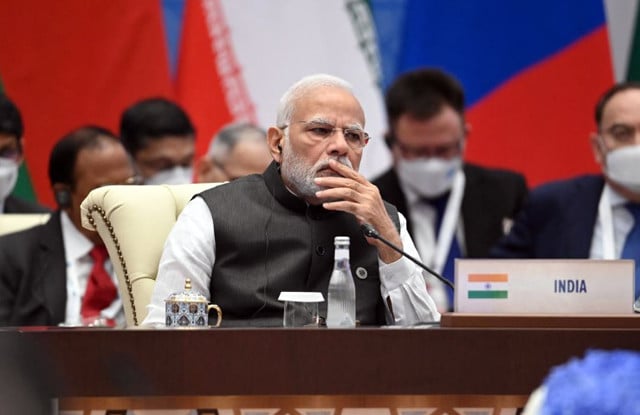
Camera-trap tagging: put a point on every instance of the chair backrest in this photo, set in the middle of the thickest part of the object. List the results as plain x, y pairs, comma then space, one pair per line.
133, 222
14, 222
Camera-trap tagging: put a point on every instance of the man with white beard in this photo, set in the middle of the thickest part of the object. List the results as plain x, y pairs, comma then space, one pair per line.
244, 242
591, 216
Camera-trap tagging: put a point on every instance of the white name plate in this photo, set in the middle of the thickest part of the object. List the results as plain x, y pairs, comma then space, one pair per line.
524, 286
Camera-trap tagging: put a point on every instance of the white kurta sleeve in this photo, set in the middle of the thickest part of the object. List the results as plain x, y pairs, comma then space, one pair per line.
189, 252
403, 284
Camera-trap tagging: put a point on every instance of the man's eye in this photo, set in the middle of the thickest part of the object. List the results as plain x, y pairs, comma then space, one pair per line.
9, 153
321, 131
622, 133
351, 135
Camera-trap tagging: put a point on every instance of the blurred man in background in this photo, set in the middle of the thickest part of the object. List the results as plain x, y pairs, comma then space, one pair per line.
160, 138
591, 216
60, 272
11, 156
237, 150
454, 209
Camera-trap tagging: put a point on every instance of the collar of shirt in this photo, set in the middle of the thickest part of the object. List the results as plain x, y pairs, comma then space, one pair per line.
616, 199
410, 194
76, 245
621, 224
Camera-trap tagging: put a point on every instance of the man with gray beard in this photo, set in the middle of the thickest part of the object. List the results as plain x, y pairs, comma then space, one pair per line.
244, 242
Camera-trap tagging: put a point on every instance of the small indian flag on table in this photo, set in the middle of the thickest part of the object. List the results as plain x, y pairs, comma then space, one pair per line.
487, 286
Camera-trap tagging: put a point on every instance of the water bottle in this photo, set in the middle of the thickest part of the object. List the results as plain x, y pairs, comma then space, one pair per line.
341, 308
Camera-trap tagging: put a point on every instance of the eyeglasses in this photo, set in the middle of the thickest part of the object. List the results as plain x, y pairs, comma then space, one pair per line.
356, 138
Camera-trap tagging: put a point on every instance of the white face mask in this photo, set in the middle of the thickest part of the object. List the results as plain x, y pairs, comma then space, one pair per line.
8, 176
175, 175
623, 167
429, 177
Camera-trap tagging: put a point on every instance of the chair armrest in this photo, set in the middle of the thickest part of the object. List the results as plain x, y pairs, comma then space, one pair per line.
133, 222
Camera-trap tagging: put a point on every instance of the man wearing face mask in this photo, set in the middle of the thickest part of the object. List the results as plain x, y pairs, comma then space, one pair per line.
591, 216
11, 132
454, 209
160, 138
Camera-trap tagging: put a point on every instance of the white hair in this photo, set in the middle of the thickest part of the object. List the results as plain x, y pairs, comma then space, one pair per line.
229, 136
300, 88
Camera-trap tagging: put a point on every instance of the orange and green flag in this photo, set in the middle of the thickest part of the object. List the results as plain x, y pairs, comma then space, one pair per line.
485, 286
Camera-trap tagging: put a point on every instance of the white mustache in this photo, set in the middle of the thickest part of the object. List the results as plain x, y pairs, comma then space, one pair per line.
342, 160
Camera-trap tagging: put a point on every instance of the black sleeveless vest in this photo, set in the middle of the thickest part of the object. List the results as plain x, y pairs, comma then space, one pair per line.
268, 241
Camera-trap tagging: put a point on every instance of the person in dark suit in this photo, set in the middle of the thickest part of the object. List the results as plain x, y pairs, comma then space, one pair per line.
590, 216
11, 156
454, 209
46, 271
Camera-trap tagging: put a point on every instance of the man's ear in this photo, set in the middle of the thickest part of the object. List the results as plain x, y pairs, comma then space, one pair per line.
62, 195
275, 140
597, 146
388, 139
467, 129
20, 150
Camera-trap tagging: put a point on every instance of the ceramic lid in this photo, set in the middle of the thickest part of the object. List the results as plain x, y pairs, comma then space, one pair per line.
187, 295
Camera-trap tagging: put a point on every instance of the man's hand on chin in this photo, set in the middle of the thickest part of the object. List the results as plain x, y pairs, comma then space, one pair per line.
353, 193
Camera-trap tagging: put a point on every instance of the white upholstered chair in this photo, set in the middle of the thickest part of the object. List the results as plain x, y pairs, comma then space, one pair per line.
134, 221
14, 222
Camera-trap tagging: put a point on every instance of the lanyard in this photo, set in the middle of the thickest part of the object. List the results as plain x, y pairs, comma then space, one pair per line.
606, 224
449, 222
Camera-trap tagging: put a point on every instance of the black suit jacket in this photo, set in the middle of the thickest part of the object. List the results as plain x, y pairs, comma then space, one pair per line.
14, 204
557, 222
490, 197
33, 276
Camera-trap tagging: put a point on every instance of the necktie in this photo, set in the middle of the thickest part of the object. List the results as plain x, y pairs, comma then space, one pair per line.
100, 291
440, 204
631, 249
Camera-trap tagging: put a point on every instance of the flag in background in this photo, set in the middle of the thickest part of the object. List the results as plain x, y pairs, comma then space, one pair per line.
624, 33
532, 70
210, 83
237, 58
77, 62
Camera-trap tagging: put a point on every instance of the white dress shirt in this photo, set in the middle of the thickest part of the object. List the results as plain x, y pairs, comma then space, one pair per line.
79, 265
423, 217
190, 251
622, 224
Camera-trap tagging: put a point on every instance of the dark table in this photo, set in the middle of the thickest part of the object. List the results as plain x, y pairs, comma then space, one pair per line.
82, 366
